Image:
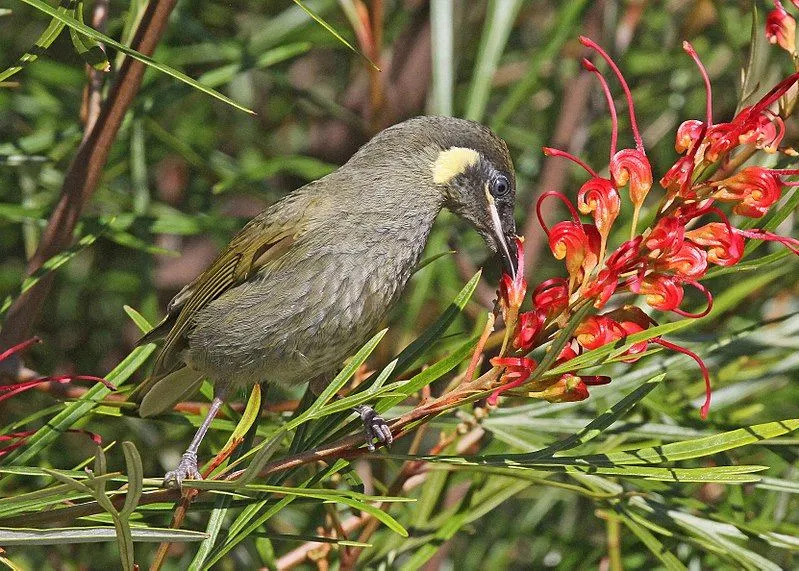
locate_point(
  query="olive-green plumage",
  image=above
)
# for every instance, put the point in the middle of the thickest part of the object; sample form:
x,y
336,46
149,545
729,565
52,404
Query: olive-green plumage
x,y
305,283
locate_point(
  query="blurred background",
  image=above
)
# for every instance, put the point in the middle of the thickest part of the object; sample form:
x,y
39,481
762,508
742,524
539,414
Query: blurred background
x,y
186,171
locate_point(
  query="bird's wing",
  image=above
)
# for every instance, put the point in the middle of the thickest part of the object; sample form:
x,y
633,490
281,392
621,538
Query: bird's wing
x,y
250,250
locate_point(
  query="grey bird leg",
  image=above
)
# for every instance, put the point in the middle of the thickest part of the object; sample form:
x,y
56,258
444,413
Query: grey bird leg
x,y
374,427
187,468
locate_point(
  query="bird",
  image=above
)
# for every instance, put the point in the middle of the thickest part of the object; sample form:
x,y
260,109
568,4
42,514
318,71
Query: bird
x,y
308,280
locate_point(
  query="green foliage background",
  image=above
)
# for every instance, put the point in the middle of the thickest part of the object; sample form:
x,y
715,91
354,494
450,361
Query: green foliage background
x,y
187,170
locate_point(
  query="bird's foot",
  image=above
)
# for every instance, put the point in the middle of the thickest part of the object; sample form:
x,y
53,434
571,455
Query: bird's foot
x,y
187,468
374,426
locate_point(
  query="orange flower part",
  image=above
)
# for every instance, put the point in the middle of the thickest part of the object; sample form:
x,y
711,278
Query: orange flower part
x,y
781,28
631,165
660,291
724,247
754,189
689,262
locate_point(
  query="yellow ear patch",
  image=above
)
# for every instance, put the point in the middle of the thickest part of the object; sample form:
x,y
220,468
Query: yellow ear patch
x,y
452,162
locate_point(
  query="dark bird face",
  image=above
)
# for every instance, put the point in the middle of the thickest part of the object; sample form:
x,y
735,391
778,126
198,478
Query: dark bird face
x,y
480,186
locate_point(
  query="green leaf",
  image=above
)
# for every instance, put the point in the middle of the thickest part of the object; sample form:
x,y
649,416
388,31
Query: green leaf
x,y
700,447
75,535
319,20
652,543
90,50
97,36
140,321
47,37
602,422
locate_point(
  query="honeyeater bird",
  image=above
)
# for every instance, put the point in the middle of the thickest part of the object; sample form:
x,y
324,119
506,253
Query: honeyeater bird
x,y
306,282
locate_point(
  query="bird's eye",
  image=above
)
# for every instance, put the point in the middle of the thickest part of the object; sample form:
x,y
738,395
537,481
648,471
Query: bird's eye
x,y
500,186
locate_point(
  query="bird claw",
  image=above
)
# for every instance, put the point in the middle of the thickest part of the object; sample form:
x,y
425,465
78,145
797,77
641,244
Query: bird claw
x,y
374,426
187,468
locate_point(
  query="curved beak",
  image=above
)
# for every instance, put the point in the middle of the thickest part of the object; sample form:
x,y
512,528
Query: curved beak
x,y
505,245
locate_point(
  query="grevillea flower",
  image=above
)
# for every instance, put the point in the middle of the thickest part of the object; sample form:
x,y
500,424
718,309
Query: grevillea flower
x,y
568,388
531,323
724,246
512,289
689,133
781,28
667,236
659,263
600,198
753,189
631,165
577,244
689,262
597,330
677,178
660,291
551,296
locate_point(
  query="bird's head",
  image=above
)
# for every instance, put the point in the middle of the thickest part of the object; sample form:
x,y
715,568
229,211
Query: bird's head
x,y
459,164
474,171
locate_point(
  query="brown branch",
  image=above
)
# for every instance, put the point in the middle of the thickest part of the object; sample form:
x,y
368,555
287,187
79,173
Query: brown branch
x,y
83,175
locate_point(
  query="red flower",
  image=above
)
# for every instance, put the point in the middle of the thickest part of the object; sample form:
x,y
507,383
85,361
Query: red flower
x,y
754,189
724,247
689,262
666,236
688,134
660,291
678,177
531,323
596,331
551,296
517,371
512,289
631,165
781,28
599,197
577,244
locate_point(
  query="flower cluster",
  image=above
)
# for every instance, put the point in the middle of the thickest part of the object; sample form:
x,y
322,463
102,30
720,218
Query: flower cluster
x,y
690,234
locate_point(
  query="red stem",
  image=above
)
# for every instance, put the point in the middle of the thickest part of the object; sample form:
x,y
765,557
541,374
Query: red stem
x,y
709,97
705,373
550,152
614,121
588,42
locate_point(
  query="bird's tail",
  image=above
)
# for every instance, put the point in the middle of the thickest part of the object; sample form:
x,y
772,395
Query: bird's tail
x,y
159,394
